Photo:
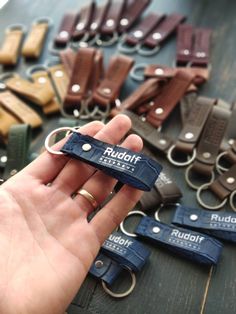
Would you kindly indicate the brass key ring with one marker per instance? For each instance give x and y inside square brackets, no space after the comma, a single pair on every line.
[189,160]
[138,68]
[202,203]
[134,212]
[231,200]
[189,182]
[122,294]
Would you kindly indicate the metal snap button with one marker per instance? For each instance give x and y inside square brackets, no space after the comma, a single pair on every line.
[59,73]
[159,111]
[138,34]
[86,147]
[42,80]
[156,230]
[193,217]
[156,36]
[159,71]
[94,25]
[124,22]
[64,34]
[110,23]
[75,88]
[189,135]
[80,26]
[230,180]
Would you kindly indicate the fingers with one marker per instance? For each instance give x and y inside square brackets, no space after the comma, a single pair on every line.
[100,185]
[76,173]
[114,212]
[47,166]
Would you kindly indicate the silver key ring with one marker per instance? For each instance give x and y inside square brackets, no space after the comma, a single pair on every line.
[106,43]
[220,169]
[138,68]
[122,294]
[134,212]
[124,48]
[35,68]
[44,19]
[161,207]
[192,185]
[16,27]
[189,160]
[80,43]
[231,200]
[147,52]
[203,204]
[55,132]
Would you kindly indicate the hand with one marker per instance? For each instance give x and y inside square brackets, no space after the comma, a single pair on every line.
[46,242]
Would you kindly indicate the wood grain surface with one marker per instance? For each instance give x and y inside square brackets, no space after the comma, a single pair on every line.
[168,284]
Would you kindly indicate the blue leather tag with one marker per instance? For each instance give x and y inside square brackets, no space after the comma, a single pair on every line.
[126,251]
[126,166]
[105,269]
[220,224]
[193,245]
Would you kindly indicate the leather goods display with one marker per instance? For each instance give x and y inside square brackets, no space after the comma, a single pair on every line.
[130,168]
[221,224]
[190,244]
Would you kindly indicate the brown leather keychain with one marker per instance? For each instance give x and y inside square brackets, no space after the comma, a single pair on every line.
[201,47]
[33,44]
[9,52]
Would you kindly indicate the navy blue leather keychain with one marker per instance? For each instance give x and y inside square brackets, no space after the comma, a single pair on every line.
[126,166]
[220,224]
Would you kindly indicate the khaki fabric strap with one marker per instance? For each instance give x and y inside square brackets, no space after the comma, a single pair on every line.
[9,51]
[42,78]
[7,120]
[40,95]
[34,42]
[60,80]
[19,109]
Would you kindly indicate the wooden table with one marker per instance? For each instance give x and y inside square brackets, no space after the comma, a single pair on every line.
[168,284]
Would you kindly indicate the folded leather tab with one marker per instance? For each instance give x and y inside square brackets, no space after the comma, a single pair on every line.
[34,42]
[85,16]
[105,268]
[163,30]
[169,97]
[19,109]
[165,191]
[149,134]
[126,251]
[66,29]
[201,48]
[109,88]
[221,224]
[184,44]
[130,168]
[190,244]
[60,80]
[40,95]
[112,18]
[98,17]
[9,51]
[132,11]
[79,81]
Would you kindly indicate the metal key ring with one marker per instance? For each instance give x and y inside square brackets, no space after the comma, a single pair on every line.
[147,52]
[79,43]
[16,27]
[55,51]
[220,169]
[194,186]
[161,207]
[122,294]
[231,200]
[106,43]
[138,68]
[44,19]
[189,160]
[55,132]
[35,68]
[124,48]
[202,203]
[134,212]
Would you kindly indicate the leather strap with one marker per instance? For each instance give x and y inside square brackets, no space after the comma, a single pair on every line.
[201,75]
[112,19]
[132,11]
[169,97]
[98,17]
[193,245]
[225,184]
[39,94]
[79,81]
[128,167]
[16,107]
[142,94]
[17,149]
[210,140]
[85,16]
[163,30]
[68,57]
[230,133]
[201,47]
[98,70]
[66,29]
[42,78]
[9,51]
[34,42]
[231,153]
[144,27]
[194,124]
[184,44]
[221,224]
[109,88]
[60,80]
[149,134]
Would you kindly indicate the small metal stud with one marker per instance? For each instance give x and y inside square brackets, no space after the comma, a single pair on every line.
[156,36]
[156,229]
[200,54]
[80,26]
[159,71]
[186,52]
[162,142]
[4,159]
[106,91]
[110,23]
[159,111]
[59,73]
[206,155]
[230,180]
[193,217]
[13,172]
[42,80]
[75,88]
[124,22]
[189,135]
[138,34]
[64,34]
[94,25]
[86,147]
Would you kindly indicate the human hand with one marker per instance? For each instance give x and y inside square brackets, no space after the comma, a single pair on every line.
[47,244]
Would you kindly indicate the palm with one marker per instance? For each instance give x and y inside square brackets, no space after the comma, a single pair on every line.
[47,244]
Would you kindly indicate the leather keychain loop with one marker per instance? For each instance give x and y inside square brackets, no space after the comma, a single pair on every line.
[184,44]
[152,43]
[132,213]
[201,47]
[10,49]
[110,25]
[130,41]
[229,155]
